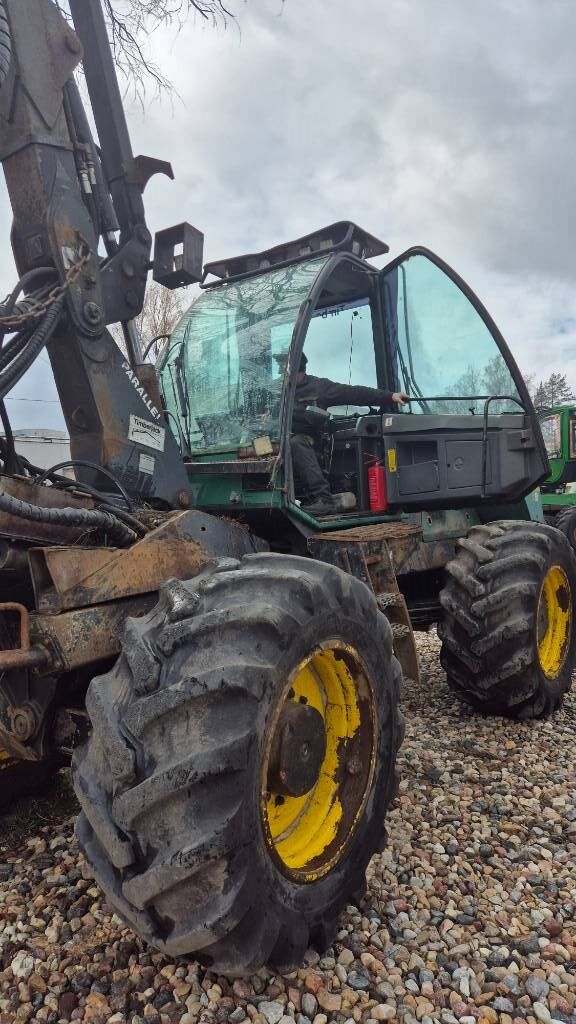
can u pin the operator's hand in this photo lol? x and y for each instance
(400, 397)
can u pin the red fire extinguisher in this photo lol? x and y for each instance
(377, 488)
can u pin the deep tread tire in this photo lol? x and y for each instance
(488, 630)
(169, 778)
(565, 521)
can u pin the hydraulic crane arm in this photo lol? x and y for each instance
(68, 195)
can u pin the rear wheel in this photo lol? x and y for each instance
(509, 618)
(565, 521)
(241, 762)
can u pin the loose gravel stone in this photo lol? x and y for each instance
(272, 1011)
(309, 1004)
(469, 916)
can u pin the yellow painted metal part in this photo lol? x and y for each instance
(555, 617)
(6, 761)
(304, 830)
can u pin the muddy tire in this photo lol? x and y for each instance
(565, 521)
(212, 832)
(509, 618)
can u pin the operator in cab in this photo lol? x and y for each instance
(324, 393)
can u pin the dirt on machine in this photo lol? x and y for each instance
(222, 664)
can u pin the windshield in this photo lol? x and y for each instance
(440, 345)
(223, 372)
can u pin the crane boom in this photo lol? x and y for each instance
(69, 196)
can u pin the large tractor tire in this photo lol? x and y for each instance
(565, 521)
(509, 618)
(241, 761)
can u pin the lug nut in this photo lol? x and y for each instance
(353, 766)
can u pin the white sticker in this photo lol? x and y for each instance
(388, 421)
(147, 433)
(147, 463)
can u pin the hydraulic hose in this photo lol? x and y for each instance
(90, 518)
(38, 339)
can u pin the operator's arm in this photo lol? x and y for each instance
(332, 393)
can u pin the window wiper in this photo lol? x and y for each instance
(182, 388)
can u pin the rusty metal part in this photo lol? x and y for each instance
(15, 748)
(298, 750)
(23, 722)
(373, 554)
(403, 540)
(35, 657)
(26, 700)
(376, 531)
(13, 559)
(86, 636)
(23, 655)
(66, 578)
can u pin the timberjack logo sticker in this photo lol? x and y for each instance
(138, 387)
(144, 432)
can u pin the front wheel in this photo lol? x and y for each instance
(509, 618)
(241, 762)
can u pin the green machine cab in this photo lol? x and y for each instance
(465, 455)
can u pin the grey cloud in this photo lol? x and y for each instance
(443, 122)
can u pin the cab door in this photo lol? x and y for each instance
(470, 433)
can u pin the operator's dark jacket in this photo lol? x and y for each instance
(325, 393)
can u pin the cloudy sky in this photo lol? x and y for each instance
(448, 123)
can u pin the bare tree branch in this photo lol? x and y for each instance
(132, 22)
(161, 312)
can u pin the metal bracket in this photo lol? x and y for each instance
(23, 656)
(176, 269)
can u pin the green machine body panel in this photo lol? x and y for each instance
(558, 426)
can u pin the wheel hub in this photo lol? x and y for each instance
(298, 750)
(318, 767)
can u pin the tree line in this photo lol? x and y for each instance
(554, 390)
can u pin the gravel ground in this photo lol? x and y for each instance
(469, 916)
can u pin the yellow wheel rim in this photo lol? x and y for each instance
(554, 621)
(308, 833)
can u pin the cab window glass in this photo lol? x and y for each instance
(550, 427)
(440, 347)
(340, 345)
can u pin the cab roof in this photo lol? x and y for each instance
(343, 236)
